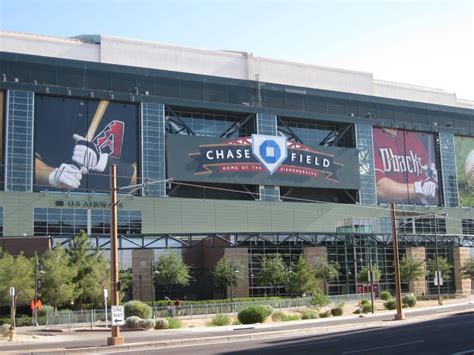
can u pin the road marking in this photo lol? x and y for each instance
(383, 347)
(465, 352)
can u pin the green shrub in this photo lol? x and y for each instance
(385, 295)
(46, 309)
(336, 311)
(161, 323)
(25, 321)
(366, 308)
(325, 314)
(390, 304)
(309, 314)
(147, 323)
(174, 323)
(362, 302)
(253, 314)
(138, 309)
(357, 311)
(236, 322)
(220, 320)
(319, 299)
(278, 316)
(404, 305)
(409, 300)
(133, 322)
(4, 329)
(290, 317)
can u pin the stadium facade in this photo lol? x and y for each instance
(240, 156)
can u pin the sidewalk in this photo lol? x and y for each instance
(206, 335)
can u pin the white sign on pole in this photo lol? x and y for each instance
(105, 292)
(438, 276)
(12, 291)
(118, 315)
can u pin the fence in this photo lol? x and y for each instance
(94, 317)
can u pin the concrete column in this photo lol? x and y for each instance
(463, 286)
(239, 256)
(313, 256)
(141, 265)
(417, 287)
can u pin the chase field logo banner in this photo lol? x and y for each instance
(260, 160)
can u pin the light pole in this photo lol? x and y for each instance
(287, 275)
(153, 291)
(140, 280)
(396, 262)
(38, 271)
(440, 301)
(233, 270)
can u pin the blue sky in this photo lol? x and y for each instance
(428, 43)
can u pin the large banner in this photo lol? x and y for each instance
(405, 167)
(464, 147)
(260, 160)
(77, 140)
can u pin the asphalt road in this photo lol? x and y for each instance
(454, 334)
(320, 342)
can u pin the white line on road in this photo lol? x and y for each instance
(466, 352)
(383, 347)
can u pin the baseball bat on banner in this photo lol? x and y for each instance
(99, 114)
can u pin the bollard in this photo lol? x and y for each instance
(191, 311)
(92, 319)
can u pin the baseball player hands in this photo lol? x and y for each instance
(67, 176)
(88, 156)
(426, 187)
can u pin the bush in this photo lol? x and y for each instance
(366, 308)
(25, 321)
(362, 302)
(325, 314)
(220, 320)
(4, 329)
(409, 300)
(147, 323)
(138, 309)
(290, 317)
(390, 304)
(336, 311)
(45, 310)
(174, 323)
(309, 314)
(133, 322)
(385, 295)
(278, 316)
(319, 299)
(161, 323)
(254, 314)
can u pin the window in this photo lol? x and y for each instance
(69, 221)
(468, 226)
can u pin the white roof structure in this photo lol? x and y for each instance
(229, 64)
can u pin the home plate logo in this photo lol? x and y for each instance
(271, 151)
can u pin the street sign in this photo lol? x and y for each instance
(12, 291)
(438, 275)
(118, 315)
(105, 292)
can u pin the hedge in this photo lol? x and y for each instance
(254, 314)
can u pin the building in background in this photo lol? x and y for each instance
(265, 157)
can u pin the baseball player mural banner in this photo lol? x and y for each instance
(77, 140)
(464, 147)
(406, 167)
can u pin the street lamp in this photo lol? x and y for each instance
(440, 301)
(233, 270)
(140, 281)
(153, 274)
(38, 271)
(288, 272)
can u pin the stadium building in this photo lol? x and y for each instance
(234, 155)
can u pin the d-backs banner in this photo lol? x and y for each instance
(260, 160)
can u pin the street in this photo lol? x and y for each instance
(453, 334)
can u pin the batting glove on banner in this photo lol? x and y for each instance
(88, 156)
(67, 176)
(426, 187)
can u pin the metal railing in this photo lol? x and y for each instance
(96, 317)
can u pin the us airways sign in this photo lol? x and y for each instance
(259, 160)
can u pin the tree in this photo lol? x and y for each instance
(125, 277)
(272, 271)
(226, 272)
(411, 269)
(363, 274)
(57, 281)
(327, 271)
(91, 269)
(18, 272)
(444, 267)
(172, 270)
(302, 278)
(467, 269)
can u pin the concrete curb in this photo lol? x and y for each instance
(324, 329)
